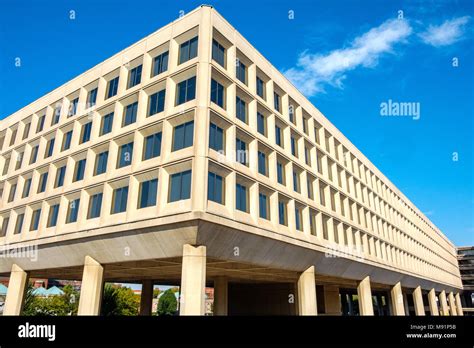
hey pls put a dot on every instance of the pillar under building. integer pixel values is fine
(418, 301)
(365, 297)
(397, 299)
(16, 291)
(307, 293)
(146, 299)
(193, 281)
(91, 287)
(443, 303)
(432, 303)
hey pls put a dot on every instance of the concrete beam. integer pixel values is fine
(397, 299)
(432, 302)
(221, 296)
(365, 297)
(307, 293)
(91, 287)
(418, 302)
(459, 304)
(146, 299)
(16, 291)
(193, 281)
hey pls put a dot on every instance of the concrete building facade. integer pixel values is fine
(188, 159)
(466, 266)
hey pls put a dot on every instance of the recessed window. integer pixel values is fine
(119, 200)
(42, 182)
(263, 206)
(34, 154)
(56, 114)
(183, 135)
(19, 223)
(186, 90)
(282, 216)
(130, 114)
(160, 64)
(276, 102)
(262, 163)
(95, 205)
(260, 88)
(180, 186)
(218, 53)
(40, 125)
(216, 137)
(92, 97)
(7, 165)
(280, 173)
(35, 219)
(26, 188)
(5, 222)
(309, 188)
(298, 219)
(53, 215)
(215, 188)
(112, 88)
(101, 162)
(11, 195)
(241, 151)
(152, 146)
(73, 211)
(307, 156)
(49, 148)
(156, 102)
(125, 155)
(67, 141)
(19, 160)
(296, 182)
(73, 107)
(261, 124)
(188, 50)
(291, 114)
(86, 132)
(217, 93)
(80, 169)
(135, 76)
(148, 191)
(241, 197)
(60, 174)
(294, 147)
(26, 131)
(278, 136)
(241, 72)
(241, 109)
(107, 122)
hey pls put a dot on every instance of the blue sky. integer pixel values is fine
(347, 56)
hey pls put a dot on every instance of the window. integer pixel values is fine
(73, 107)
(26, 188)
(309, 188)
(67, 141)
(218, 53)
(152, 146)
(101, 162)
(260, 88)
(307, 157)
(6, 165)
(262, 163)
(291, 113)
(86, 132)
(263, 206)
(26, 131)
(298, 218)
(130, 114)
(240, 109)
(241, 197)
(148, 190)
(40, 126)
(215, 186)
(35, 219)
(42, 182)
(188, 50)
(107, 122)
(49, 148)
(160, 64)
(80, 169)
(19, 223)
(19, 160)
(156, 102)
(217, 93)
(241, 151)
(113, 87)
(92, 97)
(5, 226)
(135, 76)
(186, 90)
(11, 195)
(34, 154)
(60, 174)
(294, 147)
(296, 182)
(183, 135)
(125, 155)
(241, 72)
(180, 186)
(72, 211)
(282, 220)
(13, 137)
(280, 173)
(56, 114)
(278, 137)
(119, 200)
(53, 215)
(276, 101)
(216, 137)
(95, 204)
(261, 124)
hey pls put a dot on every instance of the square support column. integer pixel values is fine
(397, 299)
(307, 293)
(91, 288)
(332, 303)
(16, 291)
(444, 303)
(459, 304)
(452, 304)
(220, 296)
(418, 302)
(364, 294)
(146, 299)
(193, 281)
(432, 302)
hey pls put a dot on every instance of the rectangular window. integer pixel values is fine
(241, 151)
(309, 188)
(101, 163)
(188, 50)
(241, 109)
(40, 125)
(183, 135)
(152, 146)
(260, 88)
(217, 93)
(180, 186)
(26, 131)
(72, 211)
(130, 114)
(293, 146)
(53, 215)
(11, 195)
(35, 219)
(241, 72)
(298, 218)
(241, 197)
(125, 155)
(135, 76)
(73, 107)
(282, 213)
(262, 163)
(148, 191)
(280, 174)
(186, 90)
(34, 154)
(86, 132)
(42, 182)
(49, 148)
(60, 174)
(19, 223)
(156, 102)
(80, 169)
(215, 188)
(107, 122)
(218, 53)
(5, 222)
(67, 141)
(92, 98)
(307, 157)
(291, 113)
(56, 114)
(261, 124)
(113, 87)
(216, 137)
(296, 182)
(13, 137)
(19, 160)
(278, 136)
(276, 101)
(95, 205)
(160, 64)
(263, 206)
(119, 200)
(26, 188)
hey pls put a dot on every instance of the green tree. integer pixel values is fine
(119, 301)
(60, 305)
(167, 303)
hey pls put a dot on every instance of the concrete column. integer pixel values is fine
(16, 291)
(418, 301)
(432, 302)
(397, 299)
(332, 302)
(146, 299)
(452, 304)
(364, 294)
(459, 304)
(307, 293)
(193, 280)
(443, 303)
(220, 296)
(405, 304)
(91, 287)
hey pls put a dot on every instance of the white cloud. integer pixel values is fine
(445, 34)
(314, 71)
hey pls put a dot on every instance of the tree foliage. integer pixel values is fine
(118, 301)
(167, 304)
(60, 305)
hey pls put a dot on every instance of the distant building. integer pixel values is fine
(466, 266)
